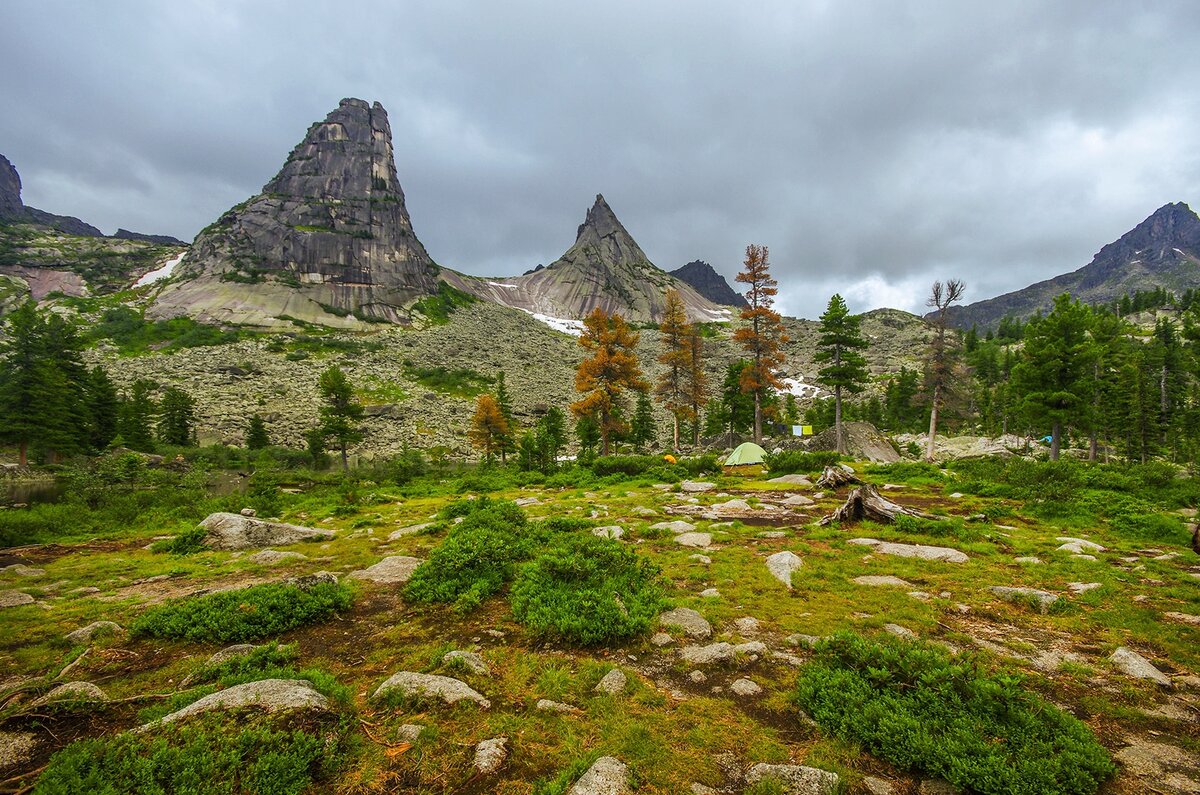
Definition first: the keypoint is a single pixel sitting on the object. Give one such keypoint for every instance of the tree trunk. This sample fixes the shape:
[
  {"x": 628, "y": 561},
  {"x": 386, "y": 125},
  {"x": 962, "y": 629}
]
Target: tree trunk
[
  {"x": 865, "y": 502},
  {"x": 933, "y": 422},
  {"x": 604, "y": 429},
  {"x": 833, "y": 477},
  {"x": 837, "y": 420},
  {"x": 675, "y": 417},
  {"x": 1055, "y": 441},
  {"x": 345, "y": 461},
  {"x": 23, "y": 453},
  {"x": 757, "y": 417}
]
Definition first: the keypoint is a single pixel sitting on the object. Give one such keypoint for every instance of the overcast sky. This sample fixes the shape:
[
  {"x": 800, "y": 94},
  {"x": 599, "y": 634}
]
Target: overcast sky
[{"x": 873, "y": 146}]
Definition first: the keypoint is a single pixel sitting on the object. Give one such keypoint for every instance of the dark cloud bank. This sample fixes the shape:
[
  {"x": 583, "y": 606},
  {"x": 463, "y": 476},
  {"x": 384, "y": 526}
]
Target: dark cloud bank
[{"x": 874, "y": 147}]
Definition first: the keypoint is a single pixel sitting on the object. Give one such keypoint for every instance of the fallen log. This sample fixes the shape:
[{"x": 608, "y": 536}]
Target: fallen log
[
  {"x": 865, "y": 502},
  {"x": 833, "y": 477}
]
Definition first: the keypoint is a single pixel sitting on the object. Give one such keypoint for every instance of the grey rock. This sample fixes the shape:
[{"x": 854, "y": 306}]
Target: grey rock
[
  {"x": 746, "y": 625},
  {"x": 230, "y": 531},
  {"x": 1183, "y": 618},
  {"x": 702, "y": 559},
  {"x": 490, "y": 755},
  {"x": 712, "y": 285},
  {"x": 612, "y": 683},
  {"x": 15, "y": 599},
  {"x": 773, "y": 534},
  {"x": 782, "y": 564},
  {"x": 642, "y": 510},
  {"x": 710, "y": 593},
  {"x": 390, "y": 570},
  {"x": 271, "y": 557},
  {"x": 698, "y": 540},
  {"x": 307, "y": 582},
  {"x": 16, "y": 748},
  {"x": 795, "y": 779},
  {"x": 937, "y": 786},
  {"x": 676, "y": 526},
  {"x": 1079, "y": 546},
  {"x": 1032, "y": 559},
  {"x": 546, "y": 705},
  {"x": 248, "y": 512},
  {"x": 700, "y": 789},
  {"x": 800, "y": 639},
  {"x": 746, "y": 687},
  {"x": 698, "y": 677},
  {"x": 409, "y": 732},
  {"x": 468, "y": 659},
  {"x": 920, "y": 551},
  {"x": 72, "y": 691},
  {"x": 1130, "y": 663},
  {"x": 877, "y": 786},
  {"x": 230, "y": 653},
  {"x": 661, "y": 639},
  {"x": 1043, "y": 599},
  {"x": 606, "y": 776},
  {"x": 21, "y": 570},
  {"x": 882, "y": 579},
  {"x": 691, "y": 622},
  {"x": 443, "y": 688},
  {"x": 899, "y": 631},
  {"x": 799, "y": 500},
  {"x": 270, "y": 695},
  {"x": 524, "y": 502},
  {"x": 613, "y": 531},
  {"x": 86, "y": 634},
  {"x": 792, "y": 480},
  {"x": 1083, "y": 587},
  {"x": 692, "y": 487},
  {"x": 411, "y": 529}
]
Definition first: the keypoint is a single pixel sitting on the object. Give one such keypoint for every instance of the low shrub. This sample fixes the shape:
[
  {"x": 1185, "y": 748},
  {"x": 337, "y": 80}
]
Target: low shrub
[
  {"x": 908, "y": 471},
  {"x": 204, "y": 756},
  {"x": 186, "y": 543},
  {"x": 588, "y": 590},
  {"x": 938, "y": 528},
  {"x": 260, "y": 611},
  {"x": 795, "y": 461},
  {"x": 629, "y": 465},
  {"x": 1152, "y": 527},
  {"x": 477, "y": 558},
  {"x": 914, "y": 706}
]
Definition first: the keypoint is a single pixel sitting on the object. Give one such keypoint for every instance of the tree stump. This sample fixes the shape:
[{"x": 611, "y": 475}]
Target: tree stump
[
  {"x": 865, "y": 502},
  {"x": 833, "y": 477}
]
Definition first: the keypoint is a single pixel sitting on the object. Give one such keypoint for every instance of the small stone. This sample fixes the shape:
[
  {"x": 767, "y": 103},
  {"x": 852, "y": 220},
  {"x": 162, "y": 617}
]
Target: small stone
[
  {"x": 607, "y": 776},
  {"x": 798, "y": 500},
  {"x": 691, "y": 622},
  {"x": 676, "y": 526},
  {"x": 920, "y": 551},
  {"x": 661, "y": 639},
  {"x": 877, "y": 786},
  {"x": 86, "y": 590},
  {"x": 882, "y": 579},
  {"x": 1185, "y": 618},
  {"x": 708, "y": 655},
  {"x": 91, "y": 631},
  {"x": 16, "y": 748},
  {"x": 444, "y": 688},
  {"x": 490, "y": 755},
  {"x": 1031, "y": 559},
  {"x": 1082, "y": 587},
  {"x": 937, "y": 786},
  {"x": 1042, "y": 599},
  {"x": 1092, "y": 558},
  {"x": 746, "y": 625},
  {"x": 391, "y": 570},
  {"x": 642, "y": 510},
  {"x": 409, "y": 732},
  {"x": 467, "y": 659},
  {"x": 21, "y": 570},
  {"x": 782, "y": 564},
  {"x": 270, "y": 557},
  {"x": 745, "y": 687},
  {"x": 1078, "y": 545},
  {"x": 411, "y": 529},
  {"x": 546, "y": 705},
  {"x": 72, "y": 691},
  {"x": 773, "y": 534},
  {"x": 613, "y": 531},
  {"x": 613, "y": 683},
  {"x": 899, "y": 631},
  {"x": 272, "y": 695},
  {"x": 920, "y": 595},
  {"x": 792, "y": 480},
  {"x": 698, "y": 677},
  {"x": 710, "y": 593},
  {"x": 230, "y": 653},
  {"x": 700, "y": 789},
  {"x": 15, "y": 599},
  {"x": 702, "y": 559},
  {"x": 802, "y": 640},
  {"x": 699, "y": 540},
  {"x": 958, "y": 495},
  {"x": 523, "y": 502},
  {"x": 693, "y": 487},
  {"x": 1131, "y": 663},
  {"x": 795, "y": 779}
]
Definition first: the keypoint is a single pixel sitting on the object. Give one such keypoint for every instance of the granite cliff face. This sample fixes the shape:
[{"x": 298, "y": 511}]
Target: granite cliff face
[
  {"x": 14, "y": 211},
  {"x": 605, "y": 268},
  {"x": 1162, "y": 251},
  {"x": 329, "y": 237},
  {"x": 710, "y": 284}
]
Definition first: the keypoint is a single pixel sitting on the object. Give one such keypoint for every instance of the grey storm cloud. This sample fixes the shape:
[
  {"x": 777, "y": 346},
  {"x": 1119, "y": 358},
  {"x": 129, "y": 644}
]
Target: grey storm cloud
[{"x": 873, "y": 146}]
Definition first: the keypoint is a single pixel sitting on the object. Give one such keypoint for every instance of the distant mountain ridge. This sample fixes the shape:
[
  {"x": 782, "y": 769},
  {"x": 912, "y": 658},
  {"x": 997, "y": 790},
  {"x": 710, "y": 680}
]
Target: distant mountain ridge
[
  {"x": 710, "y": 284},
  {"x": 1161, "y": 251},
  {"x": 14, "y": 210}
]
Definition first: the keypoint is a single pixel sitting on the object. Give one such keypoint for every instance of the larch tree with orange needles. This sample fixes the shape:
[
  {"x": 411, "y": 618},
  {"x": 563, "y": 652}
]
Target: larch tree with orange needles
[
  {"x": 762, "y": 337},
  {"x": 671, "y": 389},
  {"x": 489, "y": 428},
  {"x": 609, "y": 370},
  {"x": 695, "y": 382}
]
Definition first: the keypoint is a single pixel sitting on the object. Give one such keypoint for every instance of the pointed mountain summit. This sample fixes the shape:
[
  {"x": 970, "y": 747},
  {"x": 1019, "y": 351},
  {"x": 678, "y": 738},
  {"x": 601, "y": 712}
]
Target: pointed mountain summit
[
  {"x": 1161, "y": 251},
  {"x": 710, "y": 284},
  {"x": 328, "y": 237},
  {"x": 604, "y": 268},
  {"x": 14, "y": 211}
]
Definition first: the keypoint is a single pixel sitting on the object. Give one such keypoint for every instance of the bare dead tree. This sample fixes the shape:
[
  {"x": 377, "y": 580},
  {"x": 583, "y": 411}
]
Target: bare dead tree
[{"x": 940, "y": 298}]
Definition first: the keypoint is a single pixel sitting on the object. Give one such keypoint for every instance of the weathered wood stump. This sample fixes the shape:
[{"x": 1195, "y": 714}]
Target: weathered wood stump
[
  {"x": 833, "y": 477},
  {"x": 865, "y": 502}
]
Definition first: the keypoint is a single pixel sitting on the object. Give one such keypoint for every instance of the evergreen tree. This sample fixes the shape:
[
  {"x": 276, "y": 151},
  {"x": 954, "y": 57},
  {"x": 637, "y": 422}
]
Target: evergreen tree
[
  {"x": 177, "y": 417},
  {"x": 839, "y": 346},
  {"x": 587, "y": 431},
  {"x": 732, "y": 411},
  {"x": 642, "y": 430},
  {"x": 676, "y": 358},
  {"x": 339, "y": 411},
  {"x": 256, "y": 434},
  {"x": 31, "y": 409},
  {"x": 1055, "y": 375},
  {"x": 504, "y": 402},
  {"x": 489, "y": 428},
  {"x": 605, "y": 374},
  {"x": 762, "y": 337},
  {"x": 941, "y": 359},
  {"x": 137, "y": 416},
  {"x": 695, "y": 382},
  {"x": 103, "y": 409}
]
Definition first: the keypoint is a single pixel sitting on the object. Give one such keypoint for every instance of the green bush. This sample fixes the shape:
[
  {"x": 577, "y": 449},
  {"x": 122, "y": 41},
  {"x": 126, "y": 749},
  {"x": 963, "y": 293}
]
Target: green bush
[
  {"x": 587, "y": 590},
  {"x": 186, "y": 543},
  {"x": 260, "y": 611},
  {"x": 1152, "y": 527},
  {"x": 204, "y": 757},
  {"x": 908, "y": 471},
  {"x": 912, "y": 705},
  {"x": 629, "y": 465},
  {"x": 477, "y": 558},
  {"x": 795, "y": 461}
]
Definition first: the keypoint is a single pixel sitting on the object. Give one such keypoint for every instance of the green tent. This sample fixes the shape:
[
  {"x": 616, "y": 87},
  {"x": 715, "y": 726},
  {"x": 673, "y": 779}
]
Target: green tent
[{"x": 747, "y": 454}]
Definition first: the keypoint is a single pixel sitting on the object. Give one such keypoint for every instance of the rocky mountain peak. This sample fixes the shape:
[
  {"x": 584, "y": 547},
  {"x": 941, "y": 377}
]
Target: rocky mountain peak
[
  {"x": 600, "y": 221},
  {"x": 10, "y": 191},
  {"x": 12, "y": 208},
  {"x": 710, "y": 284},
  {"x": 329, "y": 232},
  {"x": 603, "y": 244}
]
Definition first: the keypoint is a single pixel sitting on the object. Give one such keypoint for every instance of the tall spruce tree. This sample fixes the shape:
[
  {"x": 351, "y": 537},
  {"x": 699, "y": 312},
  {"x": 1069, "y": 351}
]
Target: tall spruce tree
[
  {"x": 695, "y": 382},
  {"x": 508, "y": 438},
  {"x": 340, "y": 411},
  {"x": 641, "y": 429},
  {"x": 846, "y": 369},
  {"x": 104, "y": 406},
  {"x": 137, "y": 416},
  {"x": 256, "y": 434},
  {"x": 177, "y": 417},
  {"x": 31, "y": 412}
]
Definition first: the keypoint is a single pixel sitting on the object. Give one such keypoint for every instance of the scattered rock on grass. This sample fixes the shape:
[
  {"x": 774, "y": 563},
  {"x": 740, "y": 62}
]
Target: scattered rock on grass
[
  {"x": 409, "y": 732},
  {"x": 937, "y": 786},
  {"x": 270, "y": 557},
  {"x": 411, "y": 529},
  {"x": 15, "y": 599},
  {"x": 21, "y": 570},
  {"x": 607, "y": 776},
  {"x": 899, "y": 631},
  {"x": 1028, "y": 559},
  {"x": 745, "y": 687},
  {"x": 782, "y": 564},
  {"x": 792, "y": 480},
  {"x": 661, "y": 639},
  {"x": 698, "y": 540},
  {"x": 708, "y": 655},
  {"x": 613, "y": 531},
  {"x": 1130, "y": 663},
  {"x": 798, "y": 500},
  {"x": 676, "y": 526},
  {"x": 691, "y": 622},
  {"x": 468, "y": 659},
  {"x": 1170, "y": 768},
  {"x": 1041, "y": 599},
  {"x": 703, "y": 559},
  {"x": 490, "y": 755},
  {"x": 877, "y": 786},
  {"x": 1078, "y": 545},
  {"x": 1185, "y": 618},
  {"x": 1082, "y": 587},
  {"x": 394, "y": 569},
  {"x": 920, "y": 551},
  {"x": 882, "y": 579},
  {"x": 710, "y": 593},
  {"x": 72, "y": 691},
  {"x": 746, "y": 625},
  {"x": 546, "y": 705},
  {"x": 230, "y": 531},
  {"x": 231, "y": 653},
  {"x": 613, "y": 682},
  {"x": 271, "y": 695},
  {"x": 16, "y": 748},
  {"x": 522, "y": 502},
  {"x": 91, "y": 631},
  {"x": 795, "y": 779},
  {"x": 694, "y": 486},
  {"x": 444, "y": 688}
]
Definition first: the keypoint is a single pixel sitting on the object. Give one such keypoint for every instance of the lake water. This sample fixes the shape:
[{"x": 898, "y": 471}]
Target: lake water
[{"x": 29, "y": 492}]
